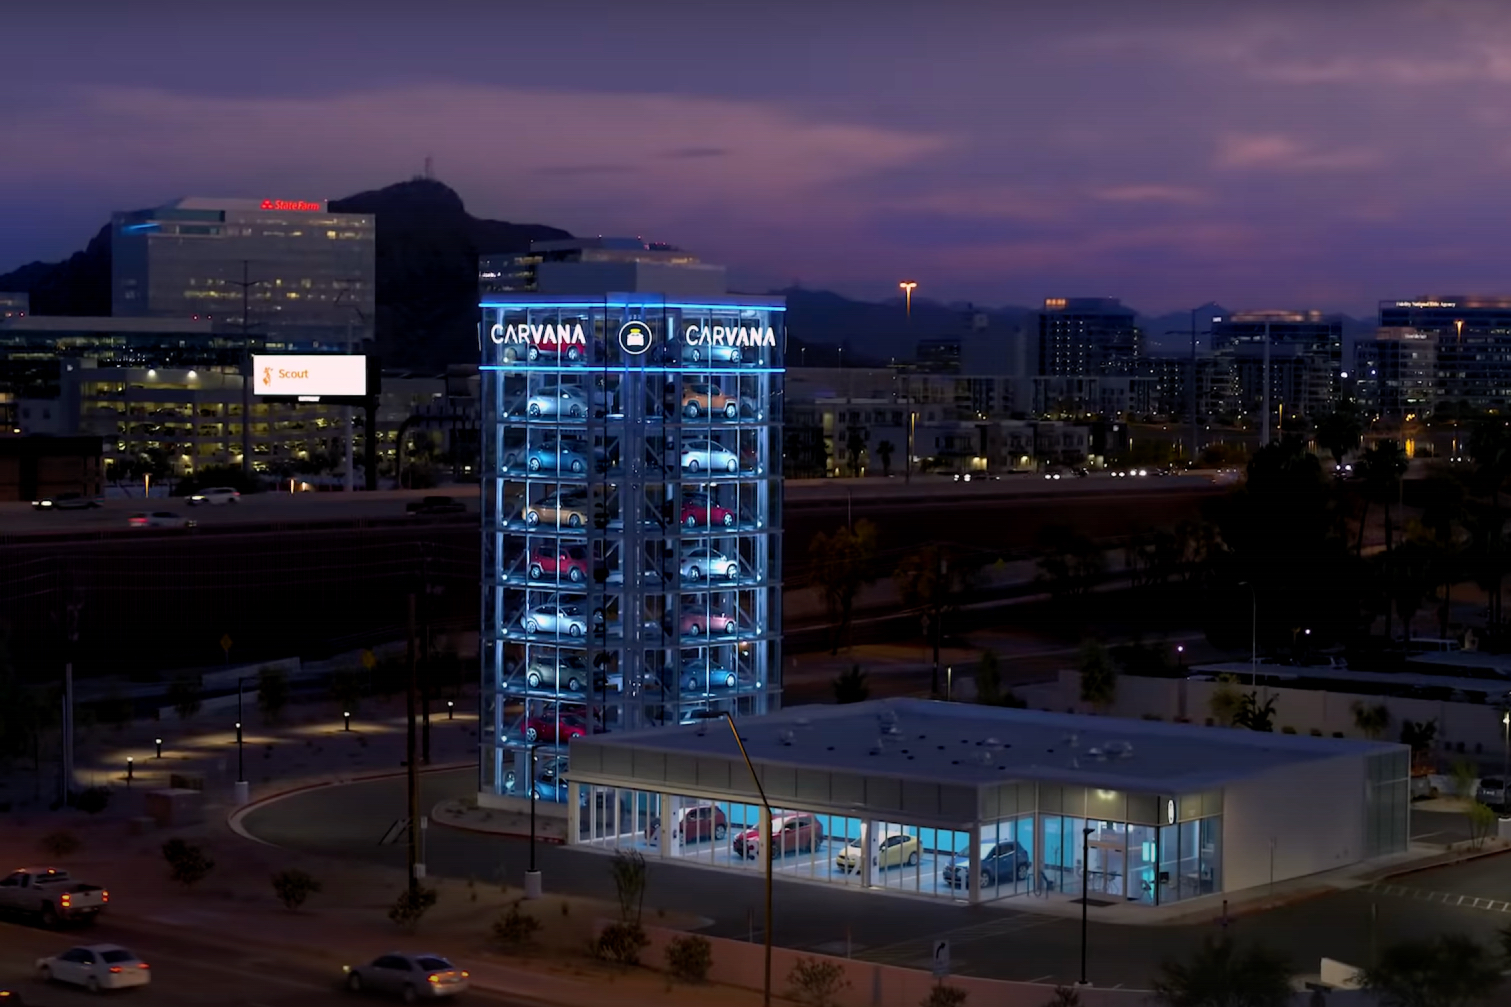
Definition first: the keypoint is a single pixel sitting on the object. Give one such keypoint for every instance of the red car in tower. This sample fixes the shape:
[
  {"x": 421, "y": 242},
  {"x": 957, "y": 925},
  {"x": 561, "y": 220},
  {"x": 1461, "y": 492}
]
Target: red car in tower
[
  {"x": 708, "y": 624},
  {"x": 702, "y": 511},
  {"x": 564, "y": 562},
  {"x": 549, "y": 727}
]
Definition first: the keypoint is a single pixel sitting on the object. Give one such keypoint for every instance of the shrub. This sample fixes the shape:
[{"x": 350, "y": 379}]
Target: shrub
[
  {"x": 187, "y": 863},
  {"x": 92, "y": 800},
  {"x": 60, "y": 844},
  {"x": 294, "y": 886},
  {"x": 272, "y": 693},
  {"x": 620, "y": 942},
  {"x": 816, "y": 983},
  {"x": 183, "y": 696},
  {"x": 515, "y": 928},
  {"x": 411, "y": 905},
  {"x": 1064, "y": 996},
  {"x": 689, "y": 958},
  {"x": 945, "y": 996},
  {"x": 1287, "y": 729}
]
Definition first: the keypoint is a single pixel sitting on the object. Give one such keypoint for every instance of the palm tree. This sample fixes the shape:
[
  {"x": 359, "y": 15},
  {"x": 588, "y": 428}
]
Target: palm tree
[
  {"x": 1221, "y": 974},
  {"x": 885, "y": 449},
  {"x": 1381, "y": 468},
  {"x": 1099, "y": 676},
  {"x": 1338, "y": 432},
  {"x": 840, "y": 564},
  {"x": 1449, "y": 970},
  {"x": 851, "y": 687},
  {"x": 1371, "y": 721}
]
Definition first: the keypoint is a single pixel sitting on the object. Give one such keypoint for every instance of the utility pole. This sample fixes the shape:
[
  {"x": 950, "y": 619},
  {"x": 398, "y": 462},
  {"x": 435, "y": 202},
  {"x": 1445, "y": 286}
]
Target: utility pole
[
  {"x": 70, "y": 644},
  {"x": 1264, "y": 437},
  {"x": 410, "y": 762},
  {"x": 424, "y": 662},
  {"x": 246, "y": 286},
  {"x": 944, "y": 567},
  {"x": 1191, "y": 397}
]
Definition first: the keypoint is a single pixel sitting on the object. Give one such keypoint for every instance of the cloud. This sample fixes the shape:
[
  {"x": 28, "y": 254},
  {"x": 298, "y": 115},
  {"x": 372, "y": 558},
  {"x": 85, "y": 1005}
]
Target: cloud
[
  {"x": 506, "y": 147},
  {"x": 1279, "y": 153},
  {"x": 1151, "y": 193}
]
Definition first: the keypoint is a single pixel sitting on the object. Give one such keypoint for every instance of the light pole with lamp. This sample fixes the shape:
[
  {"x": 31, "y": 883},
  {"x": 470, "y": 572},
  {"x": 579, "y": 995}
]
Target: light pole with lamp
[
  {"x": 242, "y": 792},
  {"x": 1085, "y": 896},
  {"x": 1253, "y": 634},
  {"x": 767, "y": 847},
  {"x": 907, "y": 287},
  {"x": 532, "y": 876},
  {"x": 1506, "y": 764}
]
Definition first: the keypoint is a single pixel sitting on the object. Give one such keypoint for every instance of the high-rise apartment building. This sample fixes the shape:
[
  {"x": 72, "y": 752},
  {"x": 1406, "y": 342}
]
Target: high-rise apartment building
[
  {"x": 299, "y": 276},
  {"x": 1305, "y": 354},
  {"x": 1473, "y": 337},
  {"x": 1395, "y": 374},
  {"x": 1087, "y": 337}
]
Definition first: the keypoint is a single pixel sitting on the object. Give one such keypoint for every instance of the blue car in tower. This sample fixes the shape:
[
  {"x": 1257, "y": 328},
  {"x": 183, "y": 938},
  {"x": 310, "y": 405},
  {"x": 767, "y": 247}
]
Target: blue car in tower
[{"x": 565, "y": 456}]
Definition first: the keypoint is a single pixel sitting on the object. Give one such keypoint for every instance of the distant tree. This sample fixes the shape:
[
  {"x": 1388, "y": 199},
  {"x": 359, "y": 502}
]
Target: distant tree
[
  {"x": 1070, "y": 564},
  {"x": 1371, "y": 720},
  {"x": 839, "y": 565},
  {"x": 938, "y": 581},
  {"x": 1099, "y": 676},
  {"x": 272, "y": 693},
  {"x": 1338, "y": 433},
  {"x": 855, "y": 449},
  {"x": 346, "y": 688},
  {"x": 1449, "y": 970},
  {"x": 1221, "y": 974},
  {"x": 884, "y": 450},
  {"x": 1254, "y": 715},
  {"x": 1380, "y": 469},
  {"x": 1225, "y": 700},
  {"x": 183, "y": 696},
  {"x": 1421, "y": 736},
  {"x": 988, "y": 679},
  {"x": 850, "y": 686}
]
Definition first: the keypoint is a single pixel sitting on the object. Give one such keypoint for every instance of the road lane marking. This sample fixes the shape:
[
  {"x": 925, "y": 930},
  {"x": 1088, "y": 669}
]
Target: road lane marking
[{"x": 1454, "y": 899}]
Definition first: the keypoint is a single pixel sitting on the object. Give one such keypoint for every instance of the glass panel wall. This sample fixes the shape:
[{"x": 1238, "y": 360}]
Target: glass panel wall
[{"x": 1007, "y": 858}]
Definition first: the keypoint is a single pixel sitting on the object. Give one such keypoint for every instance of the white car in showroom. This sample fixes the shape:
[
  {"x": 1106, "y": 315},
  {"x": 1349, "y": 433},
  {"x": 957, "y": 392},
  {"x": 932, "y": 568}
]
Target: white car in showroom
[
  {"x": 214, "y": 496},
  {"x": 706, "y": 456},
  {"x": 570, "y": 401},
  {"x": 96, "y": 967},
  {"x": 555, "y": 618},
  {"x": 700, "y": 563}
]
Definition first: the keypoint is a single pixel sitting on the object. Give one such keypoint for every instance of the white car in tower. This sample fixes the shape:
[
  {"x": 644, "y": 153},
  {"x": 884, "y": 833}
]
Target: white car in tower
[
  {"x": 555, "y": 618},
  {"x": 706, "y": 456},
  {"x": 568, "y": 401},
  {"x": 701, "y": 563}
]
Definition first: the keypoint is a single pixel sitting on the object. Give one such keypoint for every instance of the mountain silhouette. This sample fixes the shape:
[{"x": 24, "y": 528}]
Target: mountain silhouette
[{"x": 426, "y": 272}]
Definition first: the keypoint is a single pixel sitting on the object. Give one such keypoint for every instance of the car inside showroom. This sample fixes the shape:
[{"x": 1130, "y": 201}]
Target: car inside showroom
[{"x": 975, "y": 803}]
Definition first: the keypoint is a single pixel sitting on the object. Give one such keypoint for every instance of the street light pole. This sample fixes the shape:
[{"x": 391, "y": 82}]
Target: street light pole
[
  {"x": 767, "y": 849},
  {"x": 1506, "y": 760},
  {"x": 532, "y": 876},
  {"x": 907, "y": 293},
  {"x": 1085, "y": 896},
  {"x": 241, "y": 775}
]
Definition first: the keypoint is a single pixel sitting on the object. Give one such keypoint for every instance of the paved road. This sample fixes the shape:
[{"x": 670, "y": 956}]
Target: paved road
[
  {"x": 1000, "y": 942},
  {"x": 184, "y": 974}
]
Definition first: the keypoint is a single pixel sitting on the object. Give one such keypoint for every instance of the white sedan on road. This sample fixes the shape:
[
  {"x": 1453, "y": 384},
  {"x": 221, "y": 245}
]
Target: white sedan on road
[
  {"x": 706, "y": 456},
  {"x": 411, "y": 976},
  {"x": 96, "y": 967},
  {"x": 215, "y": 496}
]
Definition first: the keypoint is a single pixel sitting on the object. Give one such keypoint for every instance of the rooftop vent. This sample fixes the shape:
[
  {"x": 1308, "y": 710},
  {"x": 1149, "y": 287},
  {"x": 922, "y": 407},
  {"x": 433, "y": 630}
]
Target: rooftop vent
[
  {"x": 1097, "y": 753},
  {"x": 802, "y": 722},
  {"x": 1119, "y": 749},
  {"x": 985, "y": 758},
  {"x": 786, "y": 738}
]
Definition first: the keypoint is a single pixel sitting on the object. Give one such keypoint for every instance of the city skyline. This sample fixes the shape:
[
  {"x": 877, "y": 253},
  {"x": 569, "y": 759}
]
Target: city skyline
[{"x": 1264, "y": 155}]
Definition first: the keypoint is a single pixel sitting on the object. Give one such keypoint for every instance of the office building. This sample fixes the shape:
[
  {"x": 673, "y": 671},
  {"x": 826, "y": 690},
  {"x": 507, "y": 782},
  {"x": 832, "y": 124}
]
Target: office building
[
  {"x": 1395, "y": 374},
  {"x": 632, "y": 511},
  {"x": 1305, "y": 355},
  {"x": 607, "y": 263},
  {"x": 1087, "y": 337},
  {"x": 1473, "y": 337},
  {"x": 299, "y": 276},
  {"x": 1216, "y": 388},
  {"x": 971, "y": 804}
]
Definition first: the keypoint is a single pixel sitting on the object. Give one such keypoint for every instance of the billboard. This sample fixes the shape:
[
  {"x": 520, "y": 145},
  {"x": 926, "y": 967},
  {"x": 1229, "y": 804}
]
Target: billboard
[{"x": 310, "y": 376}]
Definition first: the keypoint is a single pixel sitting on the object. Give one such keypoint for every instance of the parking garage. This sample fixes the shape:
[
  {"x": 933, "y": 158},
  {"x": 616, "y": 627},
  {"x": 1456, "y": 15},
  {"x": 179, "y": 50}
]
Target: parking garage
[{"x": 976, "y": 804}]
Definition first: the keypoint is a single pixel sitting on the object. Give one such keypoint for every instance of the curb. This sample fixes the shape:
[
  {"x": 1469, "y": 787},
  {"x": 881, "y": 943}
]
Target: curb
[
  {"x": 1418, "y": 869},
  {"x": 475, "y": 830},
  {"x": 234, "y": 818}
]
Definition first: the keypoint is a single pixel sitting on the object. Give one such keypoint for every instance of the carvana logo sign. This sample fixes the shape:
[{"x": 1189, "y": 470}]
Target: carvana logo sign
[{"x": 635, "y": 337}]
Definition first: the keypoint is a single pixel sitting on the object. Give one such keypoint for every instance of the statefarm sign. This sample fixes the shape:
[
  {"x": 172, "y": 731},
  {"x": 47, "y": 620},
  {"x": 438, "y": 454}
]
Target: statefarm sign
[{"x": 729, "y": 335}]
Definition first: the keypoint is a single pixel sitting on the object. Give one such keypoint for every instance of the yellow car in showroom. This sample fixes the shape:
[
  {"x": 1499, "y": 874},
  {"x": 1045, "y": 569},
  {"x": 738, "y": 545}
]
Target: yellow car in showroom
[{"x": 896, "y": 849}]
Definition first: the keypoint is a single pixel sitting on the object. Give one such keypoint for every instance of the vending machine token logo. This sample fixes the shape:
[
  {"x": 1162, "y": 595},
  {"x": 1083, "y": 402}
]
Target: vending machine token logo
[{"x": 634, "y": 337}]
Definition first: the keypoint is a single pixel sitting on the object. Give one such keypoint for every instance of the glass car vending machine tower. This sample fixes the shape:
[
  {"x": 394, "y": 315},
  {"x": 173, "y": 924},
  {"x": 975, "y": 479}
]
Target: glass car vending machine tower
[{"x": 632, "y": 514}]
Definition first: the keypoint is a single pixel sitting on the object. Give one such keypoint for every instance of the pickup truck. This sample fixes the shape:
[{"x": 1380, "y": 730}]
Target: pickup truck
[{"x": 51, "y": 895}]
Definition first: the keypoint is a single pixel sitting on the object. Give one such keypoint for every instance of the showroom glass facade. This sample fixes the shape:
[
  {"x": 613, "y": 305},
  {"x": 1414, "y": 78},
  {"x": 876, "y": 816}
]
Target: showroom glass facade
[
  {"x": 631, "y": 523},
  {"x": 1169, "y": 852}
]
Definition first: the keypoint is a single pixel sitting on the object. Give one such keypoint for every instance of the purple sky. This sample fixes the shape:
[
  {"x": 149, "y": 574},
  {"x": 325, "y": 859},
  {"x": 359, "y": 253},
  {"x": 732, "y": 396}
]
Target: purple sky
[{"x": 1260, "y": 154}]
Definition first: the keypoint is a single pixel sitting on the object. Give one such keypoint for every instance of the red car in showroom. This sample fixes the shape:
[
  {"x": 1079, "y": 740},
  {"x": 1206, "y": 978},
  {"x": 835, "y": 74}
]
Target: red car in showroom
[
  {"x": 708, "y": 623},
  {"x": 568, "y": 562},
  {"x": 550, "y": 727},
  {"x": 795, "y": 832},
  {"x": 703, "y": 511}
]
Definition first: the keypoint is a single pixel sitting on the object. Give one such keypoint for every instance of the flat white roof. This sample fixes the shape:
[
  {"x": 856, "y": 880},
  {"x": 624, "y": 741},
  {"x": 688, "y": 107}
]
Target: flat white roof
[
  {"x": 966, "y": 744},
  {"x": 1343, "y": 677}
]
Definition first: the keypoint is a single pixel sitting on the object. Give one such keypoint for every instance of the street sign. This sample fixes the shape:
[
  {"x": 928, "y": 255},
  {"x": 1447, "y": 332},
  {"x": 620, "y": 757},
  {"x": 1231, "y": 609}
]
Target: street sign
[
  {"x": 225, "y": 643},
  {"x": 941, "y": 959},
  {"x": 368, "y": 660}
]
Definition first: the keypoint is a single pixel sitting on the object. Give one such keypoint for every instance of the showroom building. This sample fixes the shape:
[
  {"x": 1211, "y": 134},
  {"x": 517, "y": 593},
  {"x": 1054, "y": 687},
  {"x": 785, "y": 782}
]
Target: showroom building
[{"x": 975, "y": 803}]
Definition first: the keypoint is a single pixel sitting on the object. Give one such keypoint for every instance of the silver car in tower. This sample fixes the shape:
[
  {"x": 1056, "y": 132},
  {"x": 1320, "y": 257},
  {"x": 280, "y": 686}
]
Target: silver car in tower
[
  {"x": 698, "y": 564},
  {"x": 556, "y": 618}
]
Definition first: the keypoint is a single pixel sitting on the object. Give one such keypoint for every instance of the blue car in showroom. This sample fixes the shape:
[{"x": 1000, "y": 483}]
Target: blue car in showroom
[{"x": 1001, "y": 863}]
